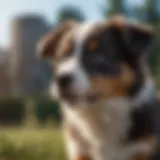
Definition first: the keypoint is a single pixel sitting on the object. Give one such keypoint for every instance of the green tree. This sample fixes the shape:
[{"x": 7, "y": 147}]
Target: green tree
[
  {"x": 149, "y": 13},
  {"x": 152, "y": 17},
  {"x": 116, "y": 7},
  {"x": 152, "y": 11},
  {"x": 70, "y": 13}
]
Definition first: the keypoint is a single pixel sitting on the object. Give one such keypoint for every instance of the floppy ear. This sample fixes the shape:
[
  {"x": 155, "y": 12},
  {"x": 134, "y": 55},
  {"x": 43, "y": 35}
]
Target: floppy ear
[
  {"x": 134, "y": 37},
  {"x": 137, "y": 38},
  {"x": 47, "y": 45}
]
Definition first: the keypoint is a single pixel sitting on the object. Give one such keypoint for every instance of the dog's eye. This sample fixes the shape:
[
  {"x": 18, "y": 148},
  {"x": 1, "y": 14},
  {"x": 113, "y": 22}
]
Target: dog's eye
[{"x": 92, "y": 45}]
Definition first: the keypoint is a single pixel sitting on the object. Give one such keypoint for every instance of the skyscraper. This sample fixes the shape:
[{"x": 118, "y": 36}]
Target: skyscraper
[{"x": 29, "y": 74}]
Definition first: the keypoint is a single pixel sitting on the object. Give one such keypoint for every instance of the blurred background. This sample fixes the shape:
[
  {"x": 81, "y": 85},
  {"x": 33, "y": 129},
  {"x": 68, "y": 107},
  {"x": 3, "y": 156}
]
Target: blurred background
[{"x": 29, "y": 119}]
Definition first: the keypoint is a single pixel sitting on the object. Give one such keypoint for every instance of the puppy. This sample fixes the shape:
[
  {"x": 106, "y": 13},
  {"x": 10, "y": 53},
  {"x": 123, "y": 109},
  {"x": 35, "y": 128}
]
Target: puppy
[{"x": 106, "y": 92}]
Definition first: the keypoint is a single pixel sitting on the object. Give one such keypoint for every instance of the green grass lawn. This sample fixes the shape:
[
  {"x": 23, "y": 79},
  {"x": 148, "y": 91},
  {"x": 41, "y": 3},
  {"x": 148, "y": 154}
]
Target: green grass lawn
[{"x": 31, "y": 144}]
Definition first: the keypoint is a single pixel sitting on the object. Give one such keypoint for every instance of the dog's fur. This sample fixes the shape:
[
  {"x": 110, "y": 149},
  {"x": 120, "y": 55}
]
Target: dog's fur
[{"x": 110, "y": 110}]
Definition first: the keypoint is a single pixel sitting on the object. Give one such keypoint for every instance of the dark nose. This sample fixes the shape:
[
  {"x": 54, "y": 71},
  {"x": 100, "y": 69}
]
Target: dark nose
[{"x": 64, "y": 81}]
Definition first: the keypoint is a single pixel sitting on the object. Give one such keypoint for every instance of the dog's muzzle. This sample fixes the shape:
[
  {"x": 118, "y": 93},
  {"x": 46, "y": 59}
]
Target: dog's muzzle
[{"x": 65, "y": 85}]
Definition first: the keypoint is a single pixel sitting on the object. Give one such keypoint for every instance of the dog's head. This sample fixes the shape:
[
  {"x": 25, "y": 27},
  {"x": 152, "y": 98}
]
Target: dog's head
[{"x": 97, "y": 61}]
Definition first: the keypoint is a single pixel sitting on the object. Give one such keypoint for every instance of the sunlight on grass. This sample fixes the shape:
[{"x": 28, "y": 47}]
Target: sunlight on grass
[{"x": 33, "y": 144}]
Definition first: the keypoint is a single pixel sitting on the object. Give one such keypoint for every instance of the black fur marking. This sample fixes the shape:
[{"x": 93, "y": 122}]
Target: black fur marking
[
  {"x": 127, "y": 56},
  {"x": 146, "y": 122},
  {"x": 104, "y": 60},
  {"x": 111, "y": 52}
]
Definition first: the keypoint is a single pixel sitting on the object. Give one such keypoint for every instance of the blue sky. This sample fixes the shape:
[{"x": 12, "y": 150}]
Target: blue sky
[{"x": 48, "y": 8}]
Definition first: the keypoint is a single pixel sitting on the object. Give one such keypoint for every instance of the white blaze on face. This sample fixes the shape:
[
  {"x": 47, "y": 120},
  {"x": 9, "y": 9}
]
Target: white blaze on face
[{"x": 72, "y": 65}]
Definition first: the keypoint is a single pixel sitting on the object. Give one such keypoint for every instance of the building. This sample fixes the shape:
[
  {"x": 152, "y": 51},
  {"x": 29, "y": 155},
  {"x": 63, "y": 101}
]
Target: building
[
  {"x": 29, "y": 75},
  {"x": 5, "y": 81}
]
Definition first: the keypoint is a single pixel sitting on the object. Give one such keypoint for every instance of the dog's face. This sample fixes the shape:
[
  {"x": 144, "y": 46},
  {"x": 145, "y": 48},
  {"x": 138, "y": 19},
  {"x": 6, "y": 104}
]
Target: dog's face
[{"x": 98, "y": 61}]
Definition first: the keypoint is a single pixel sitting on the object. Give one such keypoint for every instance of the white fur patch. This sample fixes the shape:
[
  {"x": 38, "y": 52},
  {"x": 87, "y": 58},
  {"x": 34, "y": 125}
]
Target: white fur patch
[
  {"x": 72, "y": 66},
  {"x": 54, "y": 91},
  {"x": 75, "y": 148},
  {"x": 82, "y": 32},
  {"x": 103, "y": 126},
  {"x": 67, "y": 67}
]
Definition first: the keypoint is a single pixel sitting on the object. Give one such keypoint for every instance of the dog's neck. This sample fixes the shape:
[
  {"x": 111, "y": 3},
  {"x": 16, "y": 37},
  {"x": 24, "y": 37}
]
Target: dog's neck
[{"x": 113, "y": 113}]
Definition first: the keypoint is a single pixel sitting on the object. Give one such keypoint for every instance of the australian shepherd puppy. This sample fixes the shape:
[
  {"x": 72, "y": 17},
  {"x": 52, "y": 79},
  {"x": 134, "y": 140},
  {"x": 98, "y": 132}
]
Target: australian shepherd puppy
[{"x": 106, "y": 92}]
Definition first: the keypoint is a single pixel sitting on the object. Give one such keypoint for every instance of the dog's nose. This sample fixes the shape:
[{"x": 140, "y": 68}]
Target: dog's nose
[{"x": 64, "y": 81}]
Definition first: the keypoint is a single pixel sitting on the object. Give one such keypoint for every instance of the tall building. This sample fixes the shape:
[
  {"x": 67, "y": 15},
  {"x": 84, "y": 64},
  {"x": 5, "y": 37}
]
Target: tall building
[
  {"x": 5, "y": 81},
  {"x": 29, "y": 74}
]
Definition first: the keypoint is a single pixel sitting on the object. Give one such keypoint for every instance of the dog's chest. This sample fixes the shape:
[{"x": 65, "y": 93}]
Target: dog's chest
[{"x": 106, "y": 125}]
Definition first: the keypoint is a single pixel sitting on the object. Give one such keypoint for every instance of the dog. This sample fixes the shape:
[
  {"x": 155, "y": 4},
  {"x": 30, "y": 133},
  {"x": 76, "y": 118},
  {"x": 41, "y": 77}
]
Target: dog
[{"x": 108, "y": 98}]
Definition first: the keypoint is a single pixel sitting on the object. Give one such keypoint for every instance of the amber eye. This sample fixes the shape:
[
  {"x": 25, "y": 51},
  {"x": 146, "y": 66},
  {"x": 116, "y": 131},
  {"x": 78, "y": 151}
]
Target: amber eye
[{"x": 92, "y": 45}]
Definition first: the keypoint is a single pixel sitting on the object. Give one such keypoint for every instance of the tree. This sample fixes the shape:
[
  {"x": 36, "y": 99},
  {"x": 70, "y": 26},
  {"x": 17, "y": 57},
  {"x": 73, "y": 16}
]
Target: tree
[
  {"x": 152, "y": 17},
  {"x": 149, "y": 13},
  {"x": 116, "y": 7},
  {"x": 152, "y": 12},
  {"x": 70, "y": 13}
]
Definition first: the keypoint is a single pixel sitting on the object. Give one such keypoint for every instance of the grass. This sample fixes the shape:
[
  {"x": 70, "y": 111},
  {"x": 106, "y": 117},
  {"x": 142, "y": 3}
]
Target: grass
[{"x": 31, "y": 144}]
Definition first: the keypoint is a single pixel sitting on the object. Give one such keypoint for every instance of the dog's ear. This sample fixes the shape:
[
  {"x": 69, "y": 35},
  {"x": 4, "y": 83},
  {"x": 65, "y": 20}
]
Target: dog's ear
[
  {"x": 47, "y": 45},
  {"x": 137, "y": 38}
]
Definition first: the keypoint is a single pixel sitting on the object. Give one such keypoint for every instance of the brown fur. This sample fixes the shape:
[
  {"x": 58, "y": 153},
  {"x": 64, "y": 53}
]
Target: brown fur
[
  {"x": 48, "y": 44},
  {"x": 92, "y": 45},
  {"x": 153, "y": 142},
  {"x": 114, "y": 86},
  {"x": 121, "y": 22},
  {"x": 141, "y": 157},
  {"x": 66, "y": 46}
]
